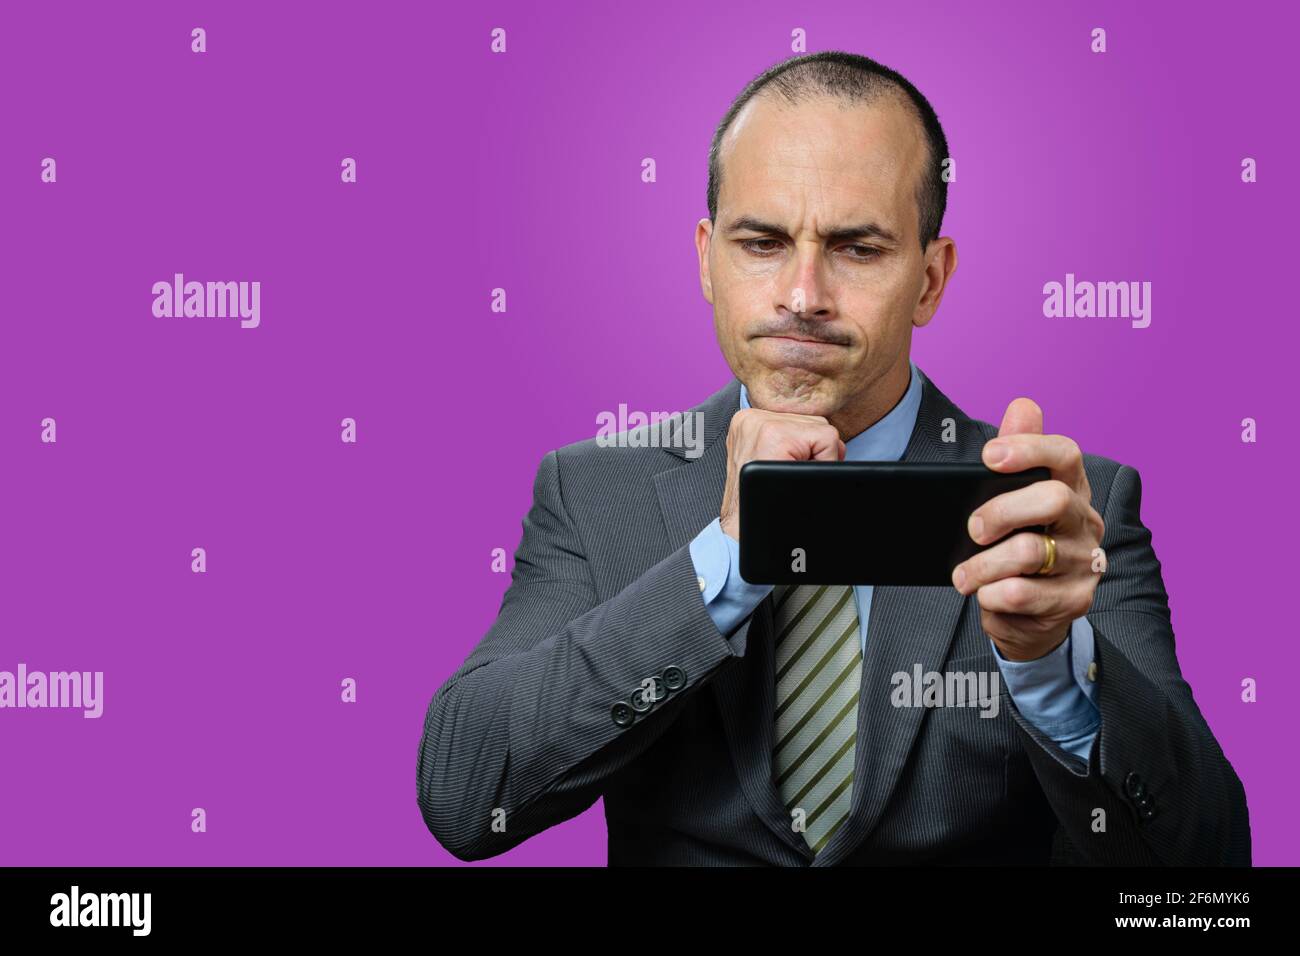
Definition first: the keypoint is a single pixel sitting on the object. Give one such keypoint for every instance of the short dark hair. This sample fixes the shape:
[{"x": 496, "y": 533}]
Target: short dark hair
[{"x": 857, "y": 79}]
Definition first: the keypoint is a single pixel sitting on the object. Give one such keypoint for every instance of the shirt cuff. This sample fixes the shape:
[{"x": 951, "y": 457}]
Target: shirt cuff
[
  {"x": 1054, "y": 692},
  {"x": 727, "y": 596}
]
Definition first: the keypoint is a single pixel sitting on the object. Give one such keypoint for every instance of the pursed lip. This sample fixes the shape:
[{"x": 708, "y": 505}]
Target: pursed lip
[{"x": 792, "y": 338}]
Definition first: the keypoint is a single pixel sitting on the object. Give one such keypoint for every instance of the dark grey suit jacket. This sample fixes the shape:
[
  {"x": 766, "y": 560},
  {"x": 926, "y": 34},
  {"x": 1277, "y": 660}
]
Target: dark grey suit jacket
[{"x": 527, "y": 733}]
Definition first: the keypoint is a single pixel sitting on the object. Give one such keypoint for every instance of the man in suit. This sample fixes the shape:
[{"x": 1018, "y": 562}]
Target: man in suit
[{"x": 730, "y": 723}]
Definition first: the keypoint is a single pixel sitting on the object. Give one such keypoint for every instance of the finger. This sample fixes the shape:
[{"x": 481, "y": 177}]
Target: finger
[
  {"x": 781, "y": 437},
  {"x": 762, "y": 415},
  {"x": 1015, "y": 628},
  {"x": 1020, "y": 554},
  {"x": 1059, "y": 454},
  {"x": 822, "y": 442},
  {"x": 807, "y": 445},
  {"x": 800, "y": 448},
  {"x": 829, "y": 451},
  {"x": 1035, "y": 597},
  {"x": 1023, "y": 416},
  {"x": 1049, "y": 503}
]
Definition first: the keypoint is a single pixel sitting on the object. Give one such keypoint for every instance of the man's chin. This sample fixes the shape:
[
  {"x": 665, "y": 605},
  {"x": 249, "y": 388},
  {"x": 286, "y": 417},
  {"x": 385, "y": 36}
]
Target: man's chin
[{"x": 794, "y": 395}]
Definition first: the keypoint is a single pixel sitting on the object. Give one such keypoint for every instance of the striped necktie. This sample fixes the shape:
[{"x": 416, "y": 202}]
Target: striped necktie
[{"x": 818, "y": 676}]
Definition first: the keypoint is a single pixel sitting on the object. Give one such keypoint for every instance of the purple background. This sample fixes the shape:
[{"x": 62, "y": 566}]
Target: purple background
[{"x": 522, "y": 170}]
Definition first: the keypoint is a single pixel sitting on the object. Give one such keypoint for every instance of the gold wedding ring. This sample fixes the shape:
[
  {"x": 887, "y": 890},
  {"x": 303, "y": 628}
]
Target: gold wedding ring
[{"x": 1049, "y": 561}]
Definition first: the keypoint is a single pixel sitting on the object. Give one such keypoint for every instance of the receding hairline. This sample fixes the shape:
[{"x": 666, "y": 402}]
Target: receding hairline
[{"x": 878, "y": 91}]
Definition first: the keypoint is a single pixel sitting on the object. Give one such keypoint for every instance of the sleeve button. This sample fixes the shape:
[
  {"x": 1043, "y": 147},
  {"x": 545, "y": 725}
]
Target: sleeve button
[
  {"x": 622, "y": 714},
  {"x": 674, "y": 678},
  {"x": 1134, "y": 786},
  {"x": 640, "y": 702}
]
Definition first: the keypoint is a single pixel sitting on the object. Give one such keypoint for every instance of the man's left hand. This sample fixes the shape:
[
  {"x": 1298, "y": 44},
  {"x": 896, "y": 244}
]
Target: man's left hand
[{"x": 1029, "y": 615}]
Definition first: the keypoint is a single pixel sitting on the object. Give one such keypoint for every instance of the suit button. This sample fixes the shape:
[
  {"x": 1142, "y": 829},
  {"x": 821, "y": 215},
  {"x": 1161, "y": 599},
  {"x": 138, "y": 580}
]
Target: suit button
[
  {"x": 674, "y": 678},
  {"x": 640, "y": 702},
  {"x": 660, "y": 688},
  {"x": 1147, "y": 813},
  {"x": 1134, "y": 786},
  {"x": 622, "y": 714}
]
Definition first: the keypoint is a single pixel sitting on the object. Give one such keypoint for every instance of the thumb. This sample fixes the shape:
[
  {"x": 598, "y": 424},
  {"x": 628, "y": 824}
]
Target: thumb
[{"x": 1023, "y": 417}]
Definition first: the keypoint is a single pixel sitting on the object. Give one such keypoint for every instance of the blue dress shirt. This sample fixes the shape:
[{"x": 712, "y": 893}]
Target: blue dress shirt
[{"x": 1052, "y": 692}]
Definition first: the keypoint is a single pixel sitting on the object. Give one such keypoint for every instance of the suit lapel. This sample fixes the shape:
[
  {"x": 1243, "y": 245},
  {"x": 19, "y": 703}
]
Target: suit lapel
[{"x": 907, "y": 626}]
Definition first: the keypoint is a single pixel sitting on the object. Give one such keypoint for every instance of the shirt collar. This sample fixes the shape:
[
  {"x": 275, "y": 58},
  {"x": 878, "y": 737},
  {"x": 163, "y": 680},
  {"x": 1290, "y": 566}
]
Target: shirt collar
[{"x": 887, "y": 439}]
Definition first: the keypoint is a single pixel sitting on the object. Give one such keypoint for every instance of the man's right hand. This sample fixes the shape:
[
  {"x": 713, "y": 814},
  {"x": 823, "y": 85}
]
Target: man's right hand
[{"x": 756, "y": 435}]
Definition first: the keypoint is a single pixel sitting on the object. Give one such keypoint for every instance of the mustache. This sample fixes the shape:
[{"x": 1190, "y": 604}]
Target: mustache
[{"x": 813, "y": 331}]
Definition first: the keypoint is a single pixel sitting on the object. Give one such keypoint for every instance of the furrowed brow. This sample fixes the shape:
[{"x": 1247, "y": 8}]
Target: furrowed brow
[
  {"x": 750, "y": 224},
  {"x": 865, "y": 230}
]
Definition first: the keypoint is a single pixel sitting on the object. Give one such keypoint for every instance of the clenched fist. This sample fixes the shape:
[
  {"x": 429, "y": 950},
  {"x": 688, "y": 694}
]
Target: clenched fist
[{"x": 756, "y": 435}]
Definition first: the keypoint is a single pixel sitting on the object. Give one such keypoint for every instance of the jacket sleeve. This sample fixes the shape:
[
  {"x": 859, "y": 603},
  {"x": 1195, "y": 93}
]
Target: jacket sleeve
[
  {"x": 1166, "y": 793},
  {"x": 526, "y": 732}
]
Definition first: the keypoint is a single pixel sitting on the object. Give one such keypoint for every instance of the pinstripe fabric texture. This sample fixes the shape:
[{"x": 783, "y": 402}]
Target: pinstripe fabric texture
[{"x": 603, "y": 598}]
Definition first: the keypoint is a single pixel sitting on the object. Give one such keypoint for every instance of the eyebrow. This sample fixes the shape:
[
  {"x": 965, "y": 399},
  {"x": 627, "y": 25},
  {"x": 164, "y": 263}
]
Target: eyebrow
[{"x": 865, "y": 230}]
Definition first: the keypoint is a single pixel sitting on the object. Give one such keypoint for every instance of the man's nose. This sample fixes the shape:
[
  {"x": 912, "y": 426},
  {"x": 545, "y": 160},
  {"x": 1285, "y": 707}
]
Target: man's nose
[{"x": 804, "y": 289}]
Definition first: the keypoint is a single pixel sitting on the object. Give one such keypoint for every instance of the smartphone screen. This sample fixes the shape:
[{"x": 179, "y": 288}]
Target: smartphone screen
[{"x": 864, "y": 522}]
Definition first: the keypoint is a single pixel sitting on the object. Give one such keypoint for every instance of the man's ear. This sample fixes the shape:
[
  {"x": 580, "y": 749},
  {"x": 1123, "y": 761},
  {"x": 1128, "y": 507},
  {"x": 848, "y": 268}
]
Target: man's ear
[
  {"x": 940, "y": 264},
  {"x": 703, "y": 239}
]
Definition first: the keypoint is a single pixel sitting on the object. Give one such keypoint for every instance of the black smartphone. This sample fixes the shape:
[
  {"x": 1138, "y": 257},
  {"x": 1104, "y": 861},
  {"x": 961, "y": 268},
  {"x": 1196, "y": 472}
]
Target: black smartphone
[{"x": 864, "y": 522}]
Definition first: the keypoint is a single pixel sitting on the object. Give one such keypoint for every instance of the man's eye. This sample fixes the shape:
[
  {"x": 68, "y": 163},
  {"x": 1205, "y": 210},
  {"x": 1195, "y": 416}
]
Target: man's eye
[
  {"x": 863, "y": 252},
  {"x": 752, "y": 245}
]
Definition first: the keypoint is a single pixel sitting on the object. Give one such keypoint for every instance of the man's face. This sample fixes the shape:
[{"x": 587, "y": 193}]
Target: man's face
[{"x": 814, "y": 266}]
